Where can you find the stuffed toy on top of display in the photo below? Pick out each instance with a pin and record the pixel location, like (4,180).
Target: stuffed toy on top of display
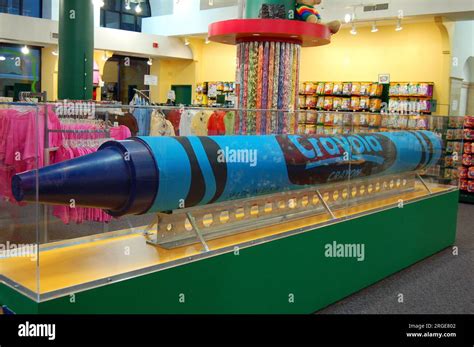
(306,11)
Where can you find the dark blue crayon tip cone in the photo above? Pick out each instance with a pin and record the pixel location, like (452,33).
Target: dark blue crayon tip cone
(105,179)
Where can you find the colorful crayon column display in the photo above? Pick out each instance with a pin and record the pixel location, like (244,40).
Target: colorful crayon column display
(268,73)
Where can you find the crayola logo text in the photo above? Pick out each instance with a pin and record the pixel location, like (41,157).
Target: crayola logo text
(319,159)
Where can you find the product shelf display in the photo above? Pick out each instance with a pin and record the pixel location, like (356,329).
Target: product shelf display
(409,97)
(466,171)
(341,96)
(215,94)
(177,207)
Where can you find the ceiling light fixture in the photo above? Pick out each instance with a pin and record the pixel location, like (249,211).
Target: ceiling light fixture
(25,50)
(55,53)
(399,25)
(207,41)
(186,42)
(354,29)
(211,2)
(127,5)
(105,57)
(347,18)
(150,61)
(138,9)
(374,27)
(98,3)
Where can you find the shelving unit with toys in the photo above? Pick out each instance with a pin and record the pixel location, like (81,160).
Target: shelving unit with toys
(466,171)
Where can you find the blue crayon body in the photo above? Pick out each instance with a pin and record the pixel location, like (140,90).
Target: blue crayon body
(159,174)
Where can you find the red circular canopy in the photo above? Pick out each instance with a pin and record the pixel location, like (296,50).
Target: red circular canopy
(238,30)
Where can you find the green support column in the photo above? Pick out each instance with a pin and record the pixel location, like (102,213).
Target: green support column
(76,49)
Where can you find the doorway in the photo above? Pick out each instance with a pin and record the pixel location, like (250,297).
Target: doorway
(184,94)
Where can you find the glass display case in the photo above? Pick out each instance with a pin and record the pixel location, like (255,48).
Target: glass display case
(83,205)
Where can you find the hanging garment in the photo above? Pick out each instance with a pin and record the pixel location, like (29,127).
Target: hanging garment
(199,123)
(229,122)
(216,125)
(185,123)
(160,126)
(174,116)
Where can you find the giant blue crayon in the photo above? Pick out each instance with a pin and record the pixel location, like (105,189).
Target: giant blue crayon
(160,174)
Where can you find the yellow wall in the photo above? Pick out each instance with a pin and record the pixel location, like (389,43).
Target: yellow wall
(413,54)
(49,70)
(420,52)
(171,72)
(218,62)
(49,73)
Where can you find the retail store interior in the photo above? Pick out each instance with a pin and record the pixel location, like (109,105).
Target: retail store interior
(253,156)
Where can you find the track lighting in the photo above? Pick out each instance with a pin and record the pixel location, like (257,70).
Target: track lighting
(347,18)
(138,9)
(150,62)
(374,28)
(354,29)
(25,50)
(399,25)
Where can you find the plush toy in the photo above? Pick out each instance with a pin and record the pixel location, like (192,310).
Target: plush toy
(306,11)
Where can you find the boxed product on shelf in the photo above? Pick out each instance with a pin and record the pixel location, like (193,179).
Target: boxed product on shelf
(328,88)
(347,88)
(311,117)
(320,88)
(469,147)
(337,89)
(328,103)
(469,134)
(320,103)
(469,122)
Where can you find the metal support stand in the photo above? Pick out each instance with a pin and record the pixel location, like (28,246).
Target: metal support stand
(326,207)
(424,184)
(196,230)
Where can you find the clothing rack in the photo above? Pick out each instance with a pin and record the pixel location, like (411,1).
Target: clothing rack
(48,150)
(27,96)
(142,93)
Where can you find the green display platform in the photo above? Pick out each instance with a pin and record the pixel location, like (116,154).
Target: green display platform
(291,275)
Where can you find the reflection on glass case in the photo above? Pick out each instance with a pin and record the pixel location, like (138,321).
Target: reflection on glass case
(85,204)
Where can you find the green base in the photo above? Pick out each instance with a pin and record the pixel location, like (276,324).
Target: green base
(290,275)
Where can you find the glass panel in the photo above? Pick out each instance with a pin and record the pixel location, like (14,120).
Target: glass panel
(112,20)
(112,5)
(19,72)
(32,8)
(10,6)
(20,222)
(128,22)
(311,169)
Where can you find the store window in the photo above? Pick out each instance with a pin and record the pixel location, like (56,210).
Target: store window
(124,14)
(30,8)
(18,71)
